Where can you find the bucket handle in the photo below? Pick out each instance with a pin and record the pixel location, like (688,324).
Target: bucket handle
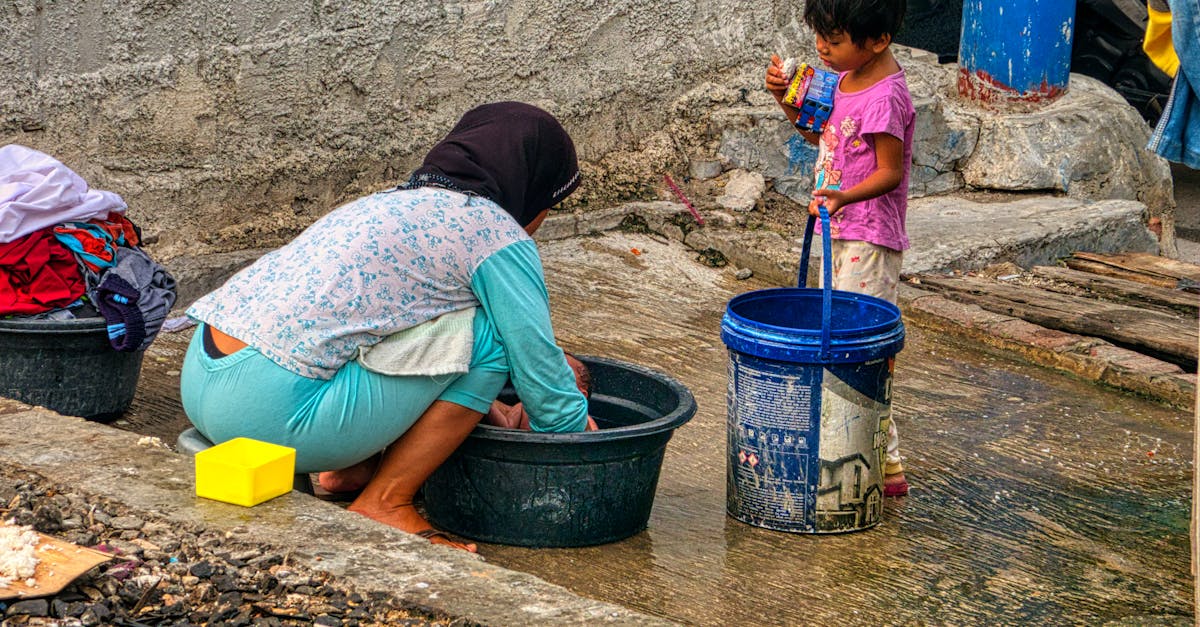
(827,271)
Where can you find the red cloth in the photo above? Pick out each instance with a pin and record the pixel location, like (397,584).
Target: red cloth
(100,246)
(37,274)
(118,225)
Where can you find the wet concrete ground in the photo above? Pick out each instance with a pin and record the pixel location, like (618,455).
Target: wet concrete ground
(1036,498)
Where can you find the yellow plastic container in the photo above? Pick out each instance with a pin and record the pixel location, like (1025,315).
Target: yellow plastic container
(245,472)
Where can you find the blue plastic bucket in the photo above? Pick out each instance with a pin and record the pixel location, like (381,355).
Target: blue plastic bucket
(810,374)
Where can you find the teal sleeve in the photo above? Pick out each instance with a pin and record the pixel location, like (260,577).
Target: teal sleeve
(512,291)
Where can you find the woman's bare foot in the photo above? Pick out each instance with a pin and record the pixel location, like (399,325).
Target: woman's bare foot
(405,518)
(350,479)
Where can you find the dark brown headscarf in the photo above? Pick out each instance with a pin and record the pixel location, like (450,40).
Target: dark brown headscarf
(511,153)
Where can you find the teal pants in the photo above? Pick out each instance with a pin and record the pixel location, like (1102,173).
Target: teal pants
(332,423)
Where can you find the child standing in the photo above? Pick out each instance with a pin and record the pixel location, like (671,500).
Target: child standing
(864,155)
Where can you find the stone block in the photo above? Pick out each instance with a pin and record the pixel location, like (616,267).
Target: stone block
(951,233)
(762,140)
(703,169)
(742,191)
(1087,145)
(942,138)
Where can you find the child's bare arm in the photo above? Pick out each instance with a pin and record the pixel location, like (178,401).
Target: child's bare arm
(889,171)
(777,84)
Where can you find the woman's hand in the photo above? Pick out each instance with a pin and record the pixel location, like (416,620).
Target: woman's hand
(591,425)
(507,416)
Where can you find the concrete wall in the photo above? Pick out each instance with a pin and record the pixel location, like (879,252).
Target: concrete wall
(228,126)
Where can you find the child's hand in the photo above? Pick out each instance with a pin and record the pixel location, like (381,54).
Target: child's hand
(833,200)
(776,82)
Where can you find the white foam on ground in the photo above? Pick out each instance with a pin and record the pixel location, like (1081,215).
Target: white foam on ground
(17,553)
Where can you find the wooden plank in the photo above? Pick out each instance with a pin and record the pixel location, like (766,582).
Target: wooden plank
(1156,333)
(1150,266)
(1147,263)
(1103,269)
(1124,291)
(59,563)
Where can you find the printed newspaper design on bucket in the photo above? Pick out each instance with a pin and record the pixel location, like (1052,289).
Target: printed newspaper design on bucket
(809,400)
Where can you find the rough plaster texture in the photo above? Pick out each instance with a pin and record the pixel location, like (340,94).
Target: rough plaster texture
(230,128)
(234,125)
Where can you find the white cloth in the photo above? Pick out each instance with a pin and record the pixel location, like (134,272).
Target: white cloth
(38,191)
(440,346)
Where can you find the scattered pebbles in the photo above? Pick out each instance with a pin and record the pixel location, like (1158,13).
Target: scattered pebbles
(168,574)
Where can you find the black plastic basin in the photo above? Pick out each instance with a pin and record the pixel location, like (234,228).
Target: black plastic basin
(572,489)
(67,366)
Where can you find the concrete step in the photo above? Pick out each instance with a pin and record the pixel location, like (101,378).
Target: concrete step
(955,233)
(947,233)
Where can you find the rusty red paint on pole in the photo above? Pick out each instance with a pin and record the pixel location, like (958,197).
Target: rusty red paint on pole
(683,199)
(1015,54)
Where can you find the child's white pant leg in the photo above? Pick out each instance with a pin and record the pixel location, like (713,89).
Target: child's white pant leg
(866,268)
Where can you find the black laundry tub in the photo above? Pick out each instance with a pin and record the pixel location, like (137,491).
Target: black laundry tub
(67,366)
(570,489)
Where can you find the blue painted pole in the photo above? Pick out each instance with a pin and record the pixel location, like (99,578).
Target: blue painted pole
(1015,52)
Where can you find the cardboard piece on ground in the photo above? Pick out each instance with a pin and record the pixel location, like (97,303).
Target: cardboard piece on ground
(59,563)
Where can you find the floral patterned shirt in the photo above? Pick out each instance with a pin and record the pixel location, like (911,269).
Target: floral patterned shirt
(847,156)
(370,268)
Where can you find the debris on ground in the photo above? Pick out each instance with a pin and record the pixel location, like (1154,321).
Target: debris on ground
(712,257)
(167,574)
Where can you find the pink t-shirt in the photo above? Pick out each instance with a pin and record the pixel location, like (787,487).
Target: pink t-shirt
(847,156)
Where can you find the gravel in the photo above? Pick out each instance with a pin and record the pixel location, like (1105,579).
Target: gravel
(169,574)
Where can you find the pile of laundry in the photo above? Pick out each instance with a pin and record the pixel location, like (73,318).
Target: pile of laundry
(68,251)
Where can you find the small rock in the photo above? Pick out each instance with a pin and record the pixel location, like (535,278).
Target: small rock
(130,592)
(266,561)
(224,583)
(328,621)
(95,614)
(126,548)
(189,580)
(245,556)
(127,522)
(742,191)
(32,607)
(48,518)
(82,537)
(743,273)
(23,518)
(68,609)
(704,169)
(203,570)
